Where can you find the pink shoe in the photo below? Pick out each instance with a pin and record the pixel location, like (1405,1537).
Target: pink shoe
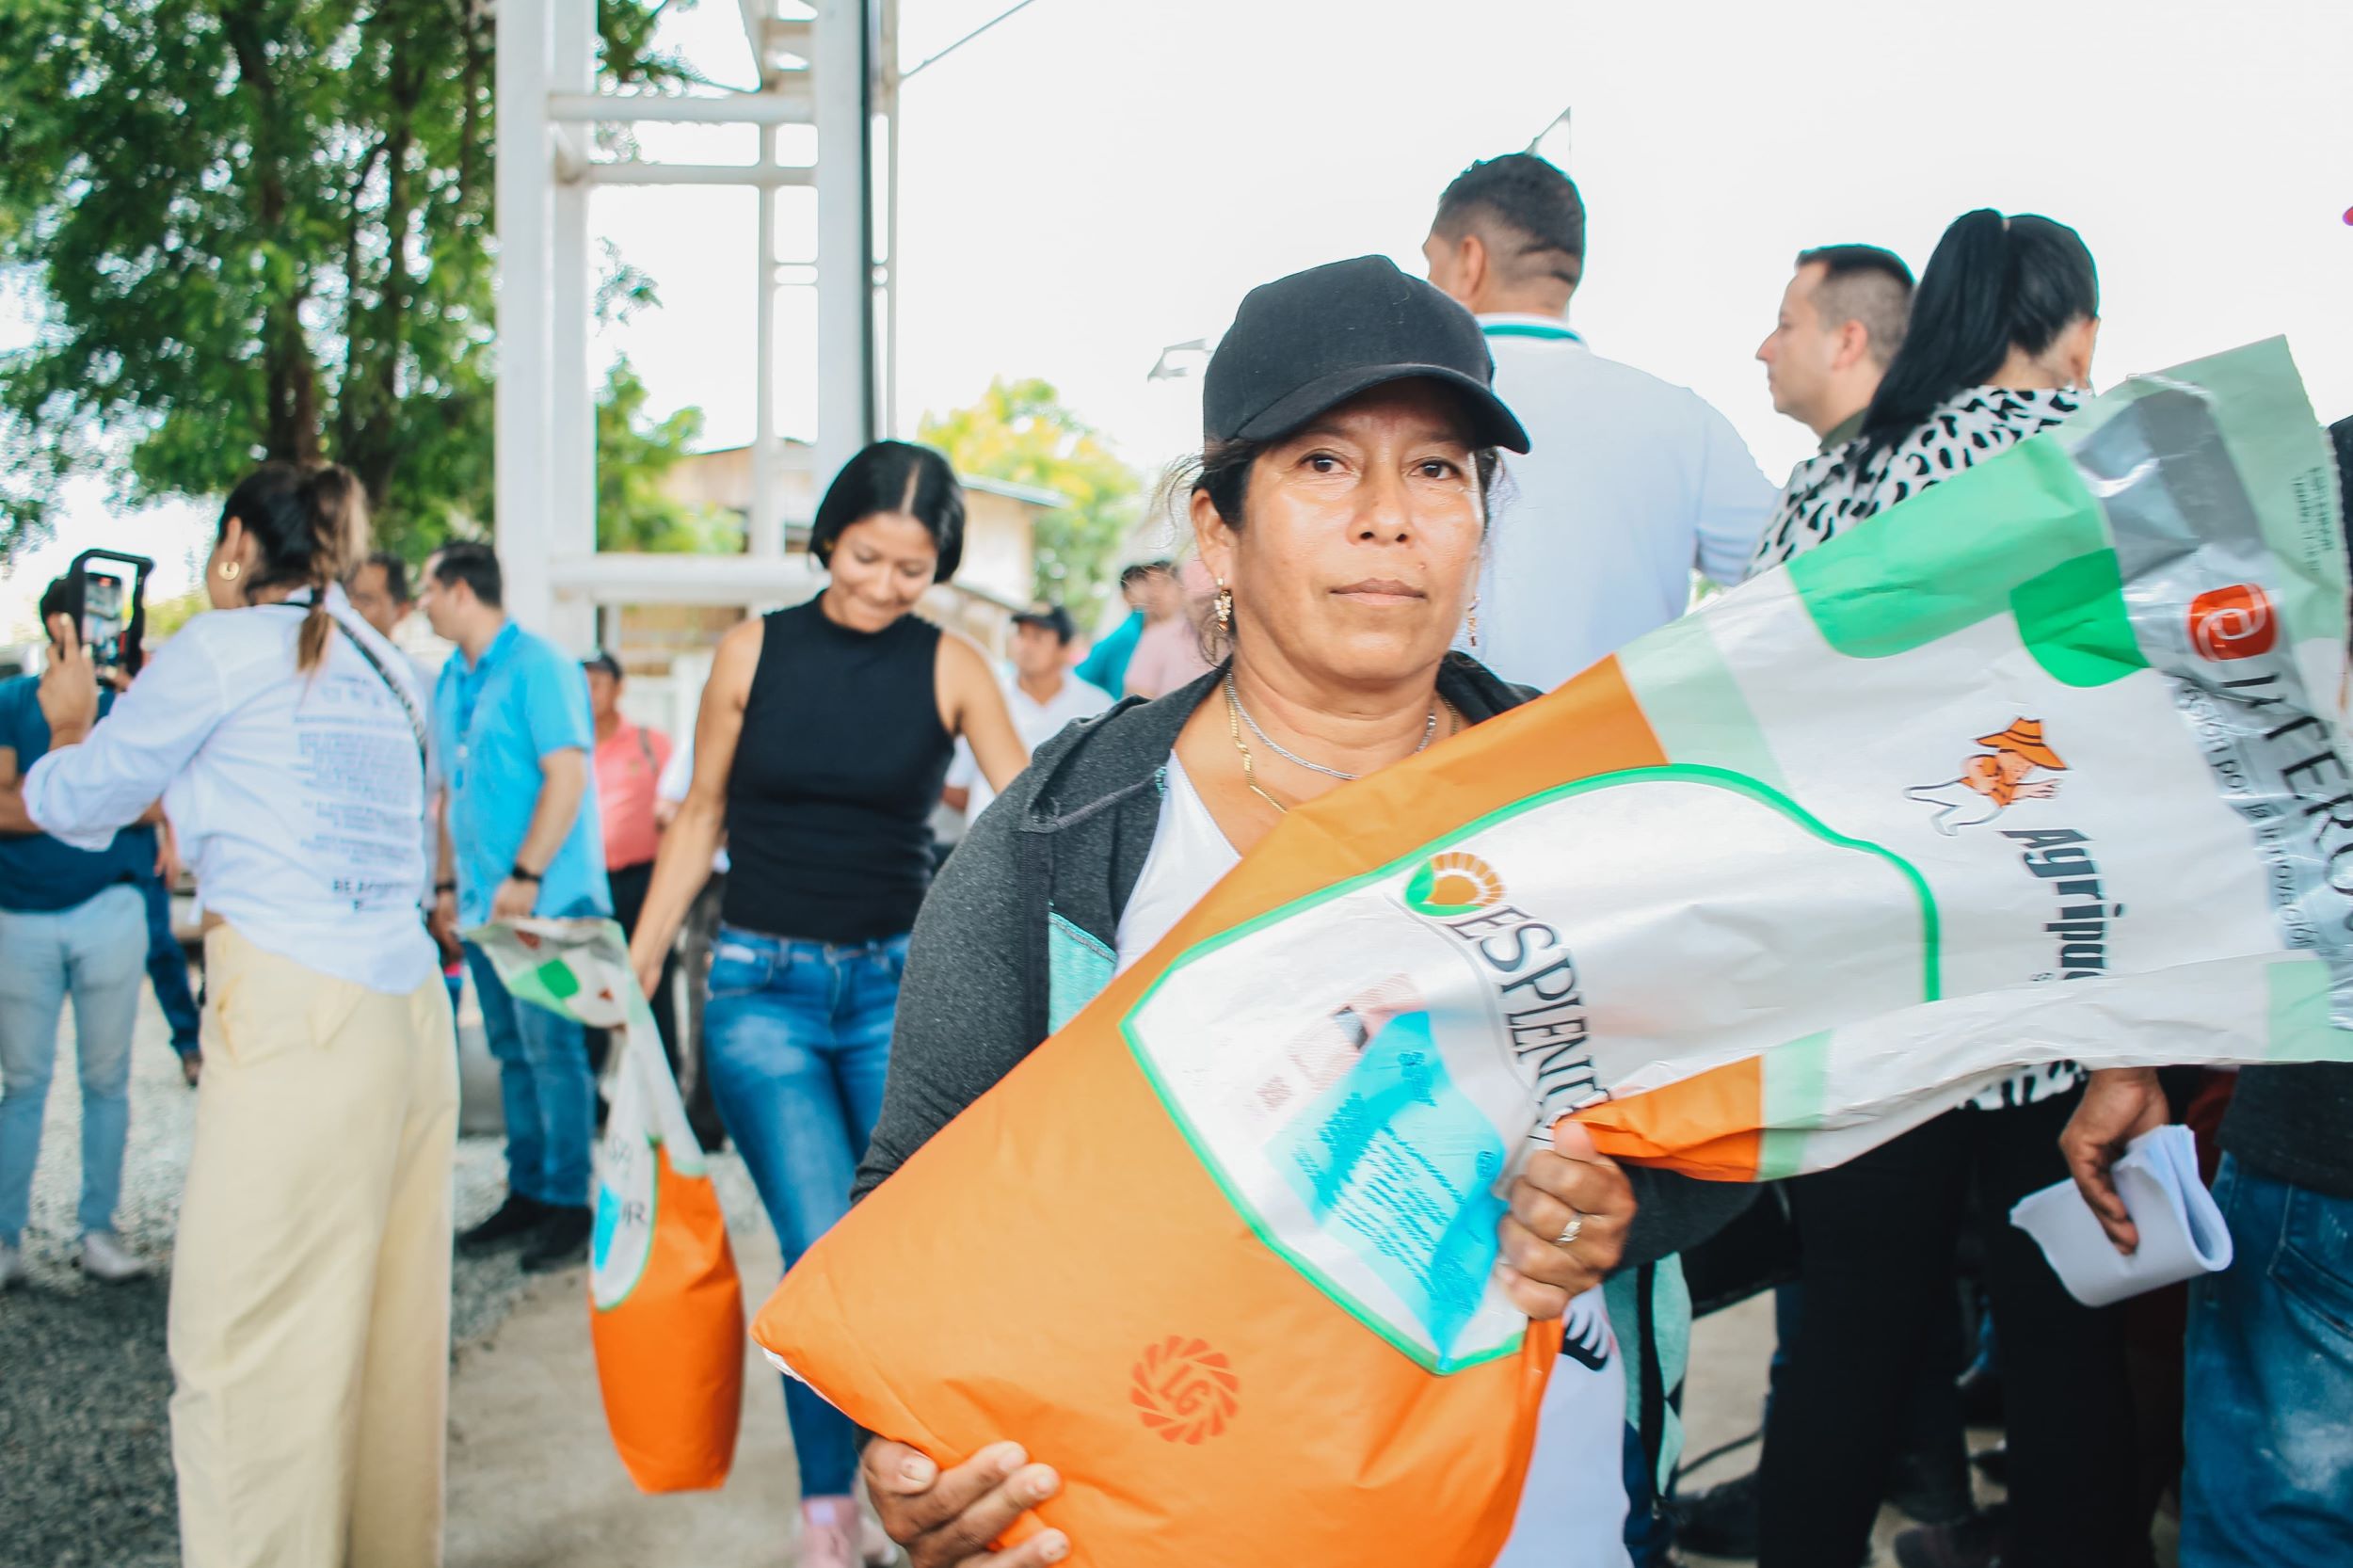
(829,1533)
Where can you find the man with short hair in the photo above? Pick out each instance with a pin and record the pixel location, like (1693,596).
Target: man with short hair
(1105,666)
(1044,696)
(519,837)
(1843,316)
(1629,482)
(378,589)
(72,922)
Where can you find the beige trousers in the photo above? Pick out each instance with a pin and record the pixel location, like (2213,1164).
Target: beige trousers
(309,1284)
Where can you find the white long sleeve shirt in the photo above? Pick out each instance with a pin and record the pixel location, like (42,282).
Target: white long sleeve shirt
(1629,485)
(297,798)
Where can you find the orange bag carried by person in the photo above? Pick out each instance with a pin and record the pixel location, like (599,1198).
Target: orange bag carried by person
(2045,763)
(665,1307)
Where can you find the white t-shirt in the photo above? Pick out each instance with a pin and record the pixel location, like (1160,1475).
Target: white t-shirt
(297,798)
(1036,722)
(1631,484)
(1573,1510)
(1190,852)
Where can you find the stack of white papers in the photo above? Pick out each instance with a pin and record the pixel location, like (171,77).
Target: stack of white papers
(2182,1233)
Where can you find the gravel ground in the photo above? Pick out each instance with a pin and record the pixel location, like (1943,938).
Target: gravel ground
(85,1441)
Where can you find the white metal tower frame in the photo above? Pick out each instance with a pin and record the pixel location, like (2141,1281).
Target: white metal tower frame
(830,64)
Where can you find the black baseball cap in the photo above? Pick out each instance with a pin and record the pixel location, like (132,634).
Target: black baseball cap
(601,659)
(1051,617)
(1306,343)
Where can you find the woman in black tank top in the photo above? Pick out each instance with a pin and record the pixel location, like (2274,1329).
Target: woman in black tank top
(824,739)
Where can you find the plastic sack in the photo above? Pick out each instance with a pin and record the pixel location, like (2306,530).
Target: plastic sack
(2033,766)
(666,1308)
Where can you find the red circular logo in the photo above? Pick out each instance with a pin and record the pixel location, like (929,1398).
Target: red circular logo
(2236,623)
(1184,1390)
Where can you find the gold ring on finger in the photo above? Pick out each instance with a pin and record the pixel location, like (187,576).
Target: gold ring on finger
(1569,1232)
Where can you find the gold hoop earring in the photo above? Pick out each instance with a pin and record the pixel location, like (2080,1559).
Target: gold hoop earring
(1474,623)
(229,570)
(1224,608)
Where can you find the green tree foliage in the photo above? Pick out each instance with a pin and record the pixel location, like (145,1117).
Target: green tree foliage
(634,454)
(256,229)
(1020,431)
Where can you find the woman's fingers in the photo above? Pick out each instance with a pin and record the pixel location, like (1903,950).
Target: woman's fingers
(1567,1192)
(1045,1548)
(946,1519)
(968,1535)
(1552,1191)
(1541,1261)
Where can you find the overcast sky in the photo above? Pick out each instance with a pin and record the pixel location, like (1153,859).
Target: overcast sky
(1095,179)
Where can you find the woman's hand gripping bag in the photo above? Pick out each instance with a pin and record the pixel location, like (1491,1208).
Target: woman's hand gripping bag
(666,1307)
(2036,765)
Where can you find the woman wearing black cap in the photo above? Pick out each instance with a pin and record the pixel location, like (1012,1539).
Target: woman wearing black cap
(1340,506)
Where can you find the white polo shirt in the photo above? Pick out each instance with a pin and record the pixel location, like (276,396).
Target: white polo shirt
(1630,483)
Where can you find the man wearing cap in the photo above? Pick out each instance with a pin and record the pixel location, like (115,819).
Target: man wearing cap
(1043,696)
(628,763)
(1630,482)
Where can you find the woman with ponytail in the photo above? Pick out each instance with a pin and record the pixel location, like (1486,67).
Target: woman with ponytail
(1999,347)
(310,1289)
(2003,326)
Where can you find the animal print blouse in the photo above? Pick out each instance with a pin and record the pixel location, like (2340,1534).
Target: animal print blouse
(1829,494)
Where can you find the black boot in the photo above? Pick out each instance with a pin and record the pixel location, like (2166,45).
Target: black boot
(1720,1521)
(562,1242)
(517,1219)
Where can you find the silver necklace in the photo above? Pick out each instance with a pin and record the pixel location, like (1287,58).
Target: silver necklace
(1429,731)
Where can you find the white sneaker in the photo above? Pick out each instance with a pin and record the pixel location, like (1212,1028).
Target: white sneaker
(11,1265)
(104,1258)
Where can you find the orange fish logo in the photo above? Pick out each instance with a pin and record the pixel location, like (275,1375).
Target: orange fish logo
(1989,781)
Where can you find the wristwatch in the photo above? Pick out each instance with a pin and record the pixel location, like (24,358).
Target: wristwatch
(517,873)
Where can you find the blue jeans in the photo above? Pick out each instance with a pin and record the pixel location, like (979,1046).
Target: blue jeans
(94,953)
(797,1038)
(545,1087)
(2269,1473)
(167,966)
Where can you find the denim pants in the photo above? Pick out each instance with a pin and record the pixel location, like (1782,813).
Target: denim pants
(2269,1430)
(94,953)
(167,966)
(797,1039)
(545,1088)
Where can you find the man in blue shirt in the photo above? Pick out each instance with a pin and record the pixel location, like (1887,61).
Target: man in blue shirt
(71,923)
(519,837)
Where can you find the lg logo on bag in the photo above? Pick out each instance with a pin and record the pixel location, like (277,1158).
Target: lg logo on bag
(1184,1390)
(2236,623)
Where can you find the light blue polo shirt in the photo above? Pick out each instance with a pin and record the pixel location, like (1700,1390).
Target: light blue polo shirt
(493,720)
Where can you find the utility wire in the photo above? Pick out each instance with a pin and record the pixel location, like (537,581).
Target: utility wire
(933,60)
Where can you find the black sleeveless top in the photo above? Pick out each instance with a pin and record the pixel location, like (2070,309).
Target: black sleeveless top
(840,761)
